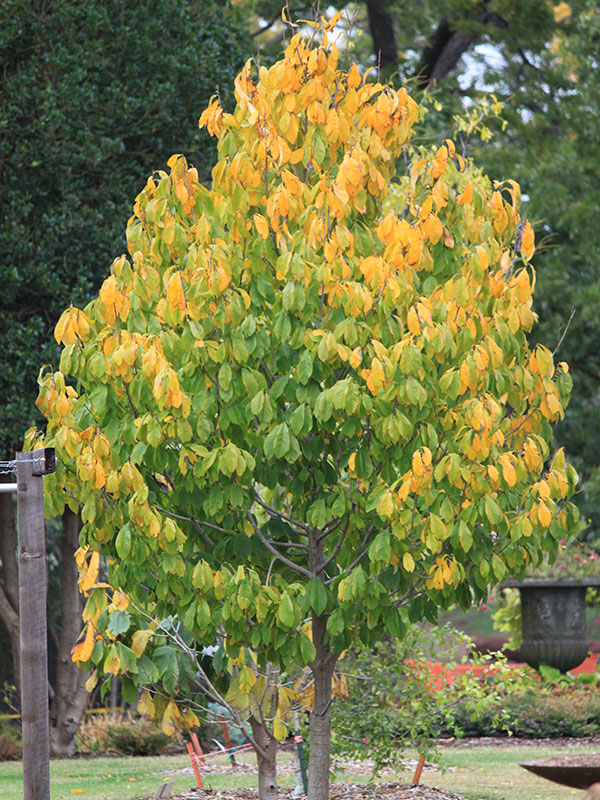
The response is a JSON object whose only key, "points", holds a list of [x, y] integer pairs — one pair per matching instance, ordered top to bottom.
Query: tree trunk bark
{"points": [[381, 24], [9, 591], [70, 696], [320, 716], [266, 760]]}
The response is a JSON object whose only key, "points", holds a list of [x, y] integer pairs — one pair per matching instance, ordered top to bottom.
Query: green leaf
{"points": [[304, 368], [224, 376], [281, 440], [137, 453], [492, 510], [465, 536], [123, 541], [317, 595], [285, 612], [119, 622], [335, 623], [307, 649]]}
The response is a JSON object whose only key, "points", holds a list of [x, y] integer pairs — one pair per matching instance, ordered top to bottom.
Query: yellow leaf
{"points": [[561, 12], [353, 77], [467, 195], [527, 240], [175, 293], [109, 294], [412, 321], [352, 462], [508, 471], [385, 507], [544, 515], [408, 562], [87, 580], [120, 600], [82, 651], [112, 662], [91, 681], [145, 705], [191, 720], [279, 728]]}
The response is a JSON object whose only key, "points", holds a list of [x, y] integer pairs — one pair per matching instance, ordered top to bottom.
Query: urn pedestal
{"points": [[553, 620]]}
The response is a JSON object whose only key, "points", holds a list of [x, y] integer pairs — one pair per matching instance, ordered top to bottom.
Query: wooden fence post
{"points": [[31, 467]]}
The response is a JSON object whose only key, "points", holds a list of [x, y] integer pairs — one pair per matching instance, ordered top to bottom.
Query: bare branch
{"points": [[560, 341]]}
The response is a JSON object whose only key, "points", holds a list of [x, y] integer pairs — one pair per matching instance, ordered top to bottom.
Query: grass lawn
{"points": [[489, 773]]}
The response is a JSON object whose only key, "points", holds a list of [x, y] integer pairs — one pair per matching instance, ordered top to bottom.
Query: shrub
{"points": [[394, 702], [540, 714], [100, 733], [138, 737], [10, 743]]}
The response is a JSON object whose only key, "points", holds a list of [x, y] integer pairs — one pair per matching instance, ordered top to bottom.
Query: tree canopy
{"points": [[303, 410]]}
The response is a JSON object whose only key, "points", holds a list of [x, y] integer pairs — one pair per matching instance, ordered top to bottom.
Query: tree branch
{"points": [[300, 527], [363, 549], [296, 567]]}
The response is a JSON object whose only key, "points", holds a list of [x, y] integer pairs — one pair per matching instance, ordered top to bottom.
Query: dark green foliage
{"points": [[94, 97], [534, 715]]}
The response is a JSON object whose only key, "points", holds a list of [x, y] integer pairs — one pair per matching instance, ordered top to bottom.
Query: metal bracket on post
{"points": [[43, 461]]}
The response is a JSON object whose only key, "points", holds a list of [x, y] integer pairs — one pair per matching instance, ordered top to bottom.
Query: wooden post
{"points": [[31, 467], [193, 759], [419, 770]]}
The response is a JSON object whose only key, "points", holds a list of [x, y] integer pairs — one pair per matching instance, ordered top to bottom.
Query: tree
{"points": [[90, 102], [307, 397]]}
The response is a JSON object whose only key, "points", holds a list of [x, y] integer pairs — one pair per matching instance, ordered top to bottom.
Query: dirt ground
{"points": [[346, 791]]}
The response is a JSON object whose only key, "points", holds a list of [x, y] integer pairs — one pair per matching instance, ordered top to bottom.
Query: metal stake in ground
{"points": [[31, 467]]}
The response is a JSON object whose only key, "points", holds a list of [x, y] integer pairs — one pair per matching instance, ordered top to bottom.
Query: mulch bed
{"points": [[346, 791]]}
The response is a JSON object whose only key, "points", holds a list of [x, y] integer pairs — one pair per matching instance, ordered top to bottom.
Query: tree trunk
{"points": [[381, 25], [9, 591], [70, 696], [320, 716], [266, 759]]}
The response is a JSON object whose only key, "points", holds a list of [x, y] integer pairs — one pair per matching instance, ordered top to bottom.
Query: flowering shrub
{"points": [[575, 559]]}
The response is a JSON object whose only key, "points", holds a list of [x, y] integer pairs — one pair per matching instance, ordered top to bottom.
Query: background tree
{"points": [[540, 60], [90, 103], [307, 397]]}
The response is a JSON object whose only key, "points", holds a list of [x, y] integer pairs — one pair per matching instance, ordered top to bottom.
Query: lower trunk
{"points": [[70, 697], [320, 716], [64, 729], [266, 758]]}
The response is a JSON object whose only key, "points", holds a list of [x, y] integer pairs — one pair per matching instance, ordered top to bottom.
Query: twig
{"points": [[560, 341]]}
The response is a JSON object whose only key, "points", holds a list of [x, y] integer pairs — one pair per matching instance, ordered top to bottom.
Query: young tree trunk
{"points": [[9, 591], [70, 696], [320, 716], [266, 759]]}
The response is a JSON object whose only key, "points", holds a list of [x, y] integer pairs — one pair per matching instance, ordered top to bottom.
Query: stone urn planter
{"points": [[553, 620]]}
